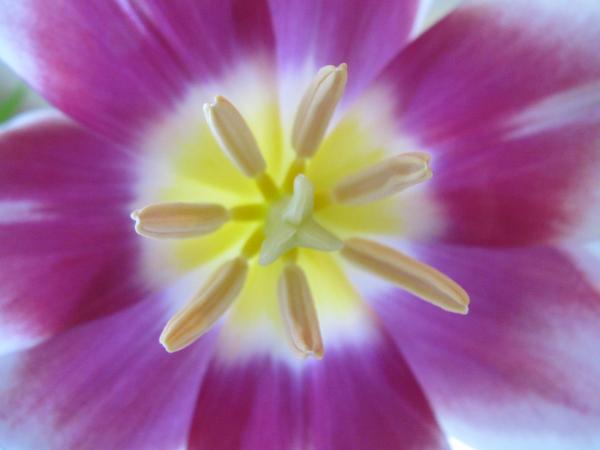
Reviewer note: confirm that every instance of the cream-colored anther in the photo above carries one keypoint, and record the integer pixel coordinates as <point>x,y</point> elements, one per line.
<point>301,205</point>
<point>316,109</point>
<point>233,135</point>
<point>179,220</point>
<point>206,307</point>
<point>299,313</point>
<point>384,179</point>
<point>418,278</point>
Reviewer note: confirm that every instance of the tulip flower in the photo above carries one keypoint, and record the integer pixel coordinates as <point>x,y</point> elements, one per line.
<point>300,224</point>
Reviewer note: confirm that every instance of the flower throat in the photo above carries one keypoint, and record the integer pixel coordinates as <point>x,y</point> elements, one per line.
<point>284,223</point>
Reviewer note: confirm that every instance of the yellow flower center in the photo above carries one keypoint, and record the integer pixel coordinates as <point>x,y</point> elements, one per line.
<point>295,223</point>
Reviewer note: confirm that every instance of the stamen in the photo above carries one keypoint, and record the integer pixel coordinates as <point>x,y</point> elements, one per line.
<point>253,243</point>
<point>267,187</point>
<point>291,256</point>
<point>179,220</point>
<point>299,313</point>
<point>300,206</point>
<point>384,179</point>
<point>233,135</point>
<point>316,109</point>
<point>206,307</point>
<point>417,278</point>
<point>322,200</point>
<point>245,213</point>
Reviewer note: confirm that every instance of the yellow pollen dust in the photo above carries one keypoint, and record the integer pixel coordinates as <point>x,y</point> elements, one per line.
<point>285,222</point>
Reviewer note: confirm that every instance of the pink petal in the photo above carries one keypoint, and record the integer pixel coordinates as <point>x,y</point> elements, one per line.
<point>67,250</point>
<point>362,33</point>
<point>356,398</point>
<point>505,96</point>
<point>115,66</point>
<point>108,384</point>
<point>521,370</point>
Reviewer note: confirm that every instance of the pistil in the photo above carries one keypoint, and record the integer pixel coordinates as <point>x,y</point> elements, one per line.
<point>300,206</point>
<point>290,224</point>
<point>297,167</point>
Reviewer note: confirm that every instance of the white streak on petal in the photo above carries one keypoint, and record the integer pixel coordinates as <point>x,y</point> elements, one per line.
<point>21,211</point>
<point>430,12</point>
<point>352,328</point>
<point>456,444</point>
<point>14,340</point>
<point>345,322</point>
<point>31,117</point>
<point>9,82</point>
<point>21,16</point>
<point>578,105</point>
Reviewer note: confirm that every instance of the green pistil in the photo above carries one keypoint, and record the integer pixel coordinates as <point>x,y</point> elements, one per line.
<point>290,224</point>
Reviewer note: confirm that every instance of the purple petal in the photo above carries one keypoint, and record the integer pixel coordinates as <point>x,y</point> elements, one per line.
<point>505,95</point>
<point>362,33</point>
<point>521,369</point>
<point>68,253</point>
<point>356,398</point>
<point>115,66</point>
<point>108,384</point>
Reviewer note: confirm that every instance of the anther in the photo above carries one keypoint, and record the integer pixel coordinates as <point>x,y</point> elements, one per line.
<point>316,109</point>
<point>299,313</point>
<point>234,136</point>
<point>384,179</point>
<point>418,278</point>
<point>179,220</point>
<point>206,307</point>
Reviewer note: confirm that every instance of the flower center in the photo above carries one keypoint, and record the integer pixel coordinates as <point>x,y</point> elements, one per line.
<point>286,221</point>
<point>290,224</point>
